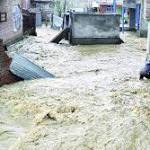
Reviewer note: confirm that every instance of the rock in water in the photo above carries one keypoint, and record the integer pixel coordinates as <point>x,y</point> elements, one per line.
<point>145,72</point>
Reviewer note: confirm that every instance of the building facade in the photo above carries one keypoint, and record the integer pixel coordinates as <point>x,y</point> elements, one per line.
<point>106,6</point>
<point>11,20</point>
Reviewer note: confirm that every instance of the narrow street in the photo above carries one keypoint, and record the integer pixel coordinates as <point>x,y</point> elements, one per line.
<point>96,102</point>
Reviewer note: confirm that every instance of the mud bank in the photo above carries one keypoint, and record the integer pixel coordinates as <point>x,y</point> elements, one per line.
<point>96,102</point>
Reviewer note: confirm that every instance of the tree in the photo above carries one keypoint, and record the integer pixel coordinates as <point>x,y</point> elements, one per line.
<point>61,6</point>
<point>58,7</point>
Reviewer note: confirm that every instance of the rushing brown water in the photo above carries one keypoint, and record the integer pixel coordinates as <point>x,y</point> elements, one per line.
<point>96,102</point>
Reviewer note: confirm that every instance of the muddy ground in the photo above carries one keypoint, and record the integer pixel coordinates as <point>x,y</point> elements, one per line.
<point>96,101</point>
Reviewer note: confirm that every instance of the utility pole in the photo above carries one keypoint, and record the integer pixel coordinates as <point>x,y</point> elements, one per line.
<point>114,6</point>
<point>65,6</point>
<point>89,3</point>
<point>123,10</point>
<point>148,41</point>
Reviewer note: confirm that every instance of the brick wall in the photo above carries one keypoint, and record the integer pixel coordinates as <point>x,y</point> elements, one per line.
<point>6,77</point>
<point>6,28</point>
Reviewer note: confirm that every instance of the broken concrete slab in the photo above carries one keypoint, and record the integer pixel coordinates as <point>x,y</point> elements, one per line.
<point>24,68</point>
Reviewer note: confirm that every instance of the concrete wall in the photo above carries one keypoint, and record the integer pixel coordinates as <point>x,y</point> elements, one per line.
<point>147,9</point>
<point>147,17</point>
<point>143,23</point>
<point>7,32</point>
<point>26,4</point>
<point>95,28</point>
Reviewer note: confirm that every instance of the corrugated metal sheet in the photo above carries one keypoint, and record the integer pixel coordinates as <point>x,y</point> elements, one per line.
<point>27,70</point>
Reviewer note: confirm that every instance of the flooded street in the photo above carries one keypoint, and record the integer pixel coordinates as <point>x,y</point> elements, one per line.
<point>96,101</point>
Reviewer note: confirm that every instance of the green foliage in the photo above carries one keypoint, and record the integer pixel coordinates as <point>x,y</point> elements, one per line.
<point>58,7</point>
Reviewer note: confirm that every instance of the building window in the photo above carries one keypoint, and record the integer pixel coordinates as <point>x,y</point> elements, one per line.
<point>3,16</point>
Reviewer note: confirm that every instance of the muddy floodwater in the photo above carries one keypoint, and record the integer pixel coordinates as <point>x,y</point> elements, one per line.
<point>96,101</point>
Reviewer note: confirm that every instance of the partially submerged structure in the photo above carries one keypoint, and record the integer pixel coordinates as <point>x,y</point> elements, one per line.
<point>90,28</point>
<point>94,29</point>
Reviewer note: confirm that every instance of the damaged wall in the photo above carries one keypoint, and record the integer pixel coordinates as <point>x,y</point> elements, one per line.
<point>12,28</point>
